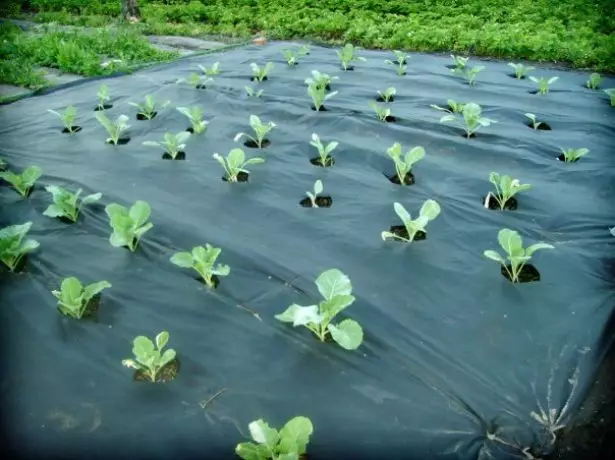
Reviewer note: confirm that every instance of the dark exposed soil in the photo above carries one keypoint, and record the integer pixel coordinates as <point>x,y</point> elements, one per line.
<point>510,205</point>
<point>256,79</point>
<point>73,130</point>
<point>120,141</point>
<point>142,117</point>
<point>179,156</point>
<point>241,177</point>
<point>98,108</point>
<point>90,310</point>
<point>317,161</point>
<point>253,145</point>
<point>541,127</point>
<point>408,179</point>
<point>528,274</point>
<point>379,98</point>
<point>321,202</point>
<point>168,372</point>
<point>214,278</point>
<point>400,230</point>
<point>321,109</point>
<point>562,158</point>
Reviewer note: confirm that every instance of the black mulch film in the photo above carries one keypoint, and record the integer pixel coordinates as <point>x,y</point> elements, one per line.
<point>455,357</point>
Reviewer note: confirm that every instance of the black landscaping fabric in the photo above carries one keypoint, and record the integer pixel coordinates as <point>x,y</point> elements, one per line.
<point>455,357</point>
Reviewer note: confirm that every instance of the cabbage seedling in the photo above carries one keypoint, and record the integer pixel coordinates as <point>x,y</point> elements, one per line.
<point>172,143</point>
<point>517,256</point>
<point>401,58</point>
<point>147,110</point>
<point>23,182</point>
<point>532,117</point>
<point>324,151</point>
<point>403,165</point>
<point>290,443</point>
<point>236,163</point>
<point>251,93</point>
<point>505,188</point>
<point>459,62</point>
<point>520,70</point>
<point>14,246</point>
<point>320,80</point>
<point>472,72</point>
<point>595,79</point>
<point>103,95</point>
<point>260,74</point>
<point>347,55</point>
<point>68,117</point>
<point>383,113</point>
<point>611,93</point>
<point>571,155</point>
<point>260,130</point>
<point>399,63</point>
<point>428,212</point>
<point>336,289</point>
<point>543,83</point>
<point>66,204</point>
<point>318,188</point>
<point>387,94</point>
<point>114,128</point>
<point>472,117</point>
<point>198,81</point>
<point>74,298</point>
<point>149,359</point>
<point>213,70</point>
<point>319,95</point>
<point>453,107</point>
<point>292,56</point>
<point>128,226</point>
<point>195,115</point>
<point>203,260</point>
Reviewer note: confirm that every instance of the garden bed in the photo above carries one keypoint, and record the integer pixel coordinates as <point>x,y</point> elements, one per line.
<point>455,357</point>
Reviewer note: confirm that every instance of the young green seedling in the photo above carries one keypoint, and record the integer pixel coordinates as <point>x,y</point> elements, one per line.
<point>317,190</point>
<point>260,131</point>
<point>472,72</point>
<point>324,152</point>
<point>535,124</point>
<point>611,93</point>
<point>290,443</point>
<point>383,113</point>
<point>148,109</point>
<point>68,117</point>
<point>292,56</point>
<point>453,107</point>
<point>472,117</point>
<point>114,128</point>
<point>149,359</point>
<point>236,163</point>
<point>595,79</point>
<point>459,62</point>
<point>505,188</point>
<point>213,70</point>
<point>103,95</point>
<point>24,181</point>
<point>128,226</point>
<point>74,298</point>
<point>203,260</point>
<point>13,246</point>
<point>520,70</point>
<point>387,95</point>
<point>572,155</point>
<point>347,56</point>
<point>543,83</point>
<point>172,144</point>
<point>517,256</point>
<point>319,95</point>
<point>67,204</point>
<point>251,93</point>
<point>320,80</point>
<point>260,74</point>
<point>429,211</point>
<point>336,289</point>
<point>403,165</point>
<point>195,115</point>
<point>400,62</point>
<point>198,81</point>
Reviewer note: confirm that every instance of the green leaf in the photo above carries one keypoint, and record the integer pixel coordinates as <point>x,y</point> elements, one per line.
<point>142,346</point>
<point>251,451</point>
<point>140,212</point>
<point>262,433</point>
<point>295,435</point>
<point>335,305</point>
<point>332,283</point>
<point>299,315</point>
<point>536,246</point>
<point>53,210</point>
<point>71,290</point>
<point>162,339</point>
<point>91,290</point>
<point>167,357</point>
<point>494,256</point>
<point>235,159</point>
<point>510,241</point>
<point>91,198</point>
<point>291,456</point>
<point>348,334</point>
<point>430,209</point>
<point>31,174</point>
<point>183,259</point>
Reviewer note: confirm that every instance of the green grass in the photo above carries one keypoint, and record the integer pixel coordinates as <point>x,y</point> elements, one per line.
<point>578,32</point>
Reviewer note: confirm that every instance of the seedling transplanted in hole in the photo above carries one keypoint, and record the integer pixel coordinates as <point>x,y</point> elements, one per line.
<point>292,56</point>
<point>520,70</point>
<point>24,181</point>
<point>403,165</point>
<point>290,443</point>
<point>236,163</point>
<point>611,93</point>
<point>66,204</point>
<point>472,72</point>
<point>543,83</point>
<point>317,190</point>
<point>149,359</point>
<point>213,70</point>
<point>172,143</point>
<point>14,246</point>
<point>472,117</point>
<point>532,117</point>
<point>505,188</point>
<point>453,107</point>
<point>68,118</point>
<point>114,128</point>
<point>258,73</point>
<point>198,81</point>
<point>74,298</point>
<point>195,115</point>
<point>336,289</point>
<point>148,109</point>
<point>251,93</point>
<point>572,155</point>
<point>429,211</point>
<point>203,260</point>
<point>324,152</point>
<point>383,113</point>
<point>401,59</point>
<point>103,95</point>
<point>595,79</point>
<point>459,62</point>
<point>319,95</point>
<point>260,130</point>
<point>387,94</point>
<point>128,226</point>
<point>347,55</point>
<point>517,256</point>
<point>321,80</point>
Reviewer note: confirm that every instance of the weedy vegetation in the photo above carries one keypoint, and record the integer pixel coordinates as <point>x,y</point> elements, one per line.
<point>572,155</point>
<point>129,225</point>
<point>68,117</point>
<point>261,73</point>
<point>472,118</point>
<point>66,204</point>
<point>428,212</point>
<point>336,289</point>
<point>195,114</point>
<point>211,71</point>
<point>317,190</point>
<point>250,92</point>
<point>403,164</point>
<point>235,163</point>
<point>14,245</point>
<point>269,444</point>
<point>387,95</point>
<point>260,131</point>
<point>521,70</point>
<point>74,298</point>
<point>172,144</point>
<point>203,260</point>
<point>505,188</point>
<point>148,110</point>
<point>149,358</point>
<point>115,129</point>
<point>543,83</point>
<point>24,181</point>
<point>594,82</point>
<point>348,55</point>
<point>324,152</point>
<point>382,113</point>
